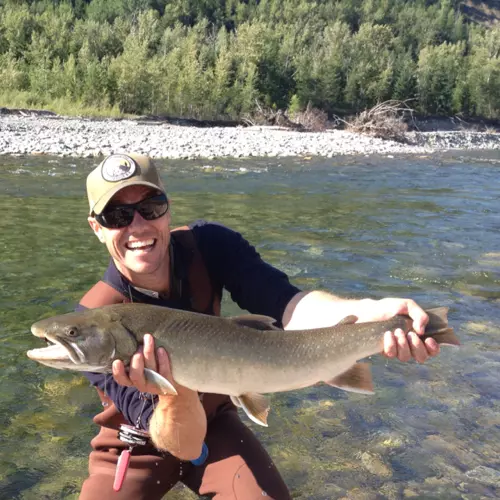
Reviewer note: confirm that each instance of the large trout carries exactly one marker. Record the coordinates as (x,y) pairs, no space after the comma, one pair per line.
(242,357)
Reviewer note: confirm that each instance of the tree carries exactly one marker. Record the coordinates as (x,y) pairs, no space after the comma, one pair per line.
(437,72)
(370,71)
(483,77)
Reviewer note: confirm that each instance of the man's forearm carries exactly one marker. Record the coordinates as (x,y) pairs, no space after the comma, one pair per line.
(179,425)
(317,309)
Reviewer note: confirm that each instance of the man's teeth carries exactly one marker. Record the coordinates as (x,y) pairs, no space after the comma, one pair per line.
(140,244)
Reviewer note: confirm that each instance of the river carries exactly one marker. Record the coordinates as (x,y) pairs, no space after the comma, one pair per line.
(425,227)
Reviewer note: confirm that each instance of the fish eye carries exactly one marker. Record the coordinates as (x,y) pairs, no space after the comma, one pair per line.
(72,331)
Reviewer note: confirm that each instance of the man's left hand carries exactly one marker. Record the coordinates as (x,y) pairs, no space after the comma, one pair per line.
(397,344)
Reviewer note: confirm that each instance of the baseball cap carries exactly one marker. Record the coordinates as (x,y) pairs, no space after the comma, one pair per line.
(116,172)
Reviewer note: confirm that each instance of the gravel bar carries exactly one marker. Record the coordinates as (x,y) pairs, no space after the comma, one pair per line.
(79,137)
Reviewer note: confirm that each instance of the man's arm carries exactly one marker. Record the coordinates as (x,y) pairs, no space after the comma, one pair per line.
(178,424)
(320,309)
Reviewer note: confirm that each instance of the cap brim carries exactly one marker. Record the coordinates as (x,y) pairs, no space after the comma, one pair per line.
(100,205)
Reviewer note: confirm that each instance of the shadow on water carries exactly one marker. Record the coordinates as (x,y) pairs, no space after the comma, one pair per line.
(423,227)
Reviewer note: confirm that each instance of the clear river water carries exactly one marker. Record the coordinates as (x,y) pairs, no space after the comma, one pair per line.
(425,227)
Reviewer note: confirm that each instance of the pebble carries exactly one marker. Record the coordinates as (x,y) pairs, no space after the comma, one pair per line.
(87,138)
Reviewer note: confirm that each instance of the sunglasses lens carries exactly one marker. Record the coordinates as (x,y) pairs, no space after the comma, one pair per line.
(117,217)
(153,208)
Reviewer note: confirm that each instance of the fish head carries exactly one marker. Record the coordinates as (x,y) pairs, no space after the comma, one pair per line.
(83,341)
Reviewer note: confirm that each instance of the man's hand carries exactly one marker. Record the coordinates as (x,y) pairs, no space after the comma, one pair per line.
(179,423)
(397,344)
(147,358)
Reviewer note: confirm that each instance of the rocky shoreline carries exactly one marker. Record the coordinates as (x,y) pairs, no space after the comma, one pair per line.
(80,137)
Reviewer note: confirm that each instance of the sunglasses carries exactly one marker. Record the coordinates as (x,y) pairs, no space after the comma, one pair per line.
(118,216)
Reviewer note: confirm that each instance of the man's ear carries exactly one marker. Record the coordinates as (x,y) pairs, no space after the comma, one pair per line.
(96,227)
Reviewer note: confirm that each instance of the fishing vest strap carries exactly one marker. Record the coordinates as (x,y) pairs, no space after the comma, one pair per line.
(204,297)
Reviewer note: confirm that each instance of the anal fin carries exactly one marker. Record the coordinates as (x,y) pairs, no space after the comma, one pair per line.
(256,406)
(358,378)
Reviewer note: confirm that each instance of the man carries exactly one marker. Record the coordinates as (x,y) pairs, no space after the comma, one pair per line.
(188,269)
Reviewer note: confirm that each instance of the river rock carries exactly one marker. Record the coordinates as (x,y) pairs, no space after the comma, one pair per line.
(374,464)
(485,475)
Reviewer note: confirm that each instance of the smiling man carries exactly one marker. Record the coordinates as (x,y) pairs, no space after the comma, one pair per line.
(188,268)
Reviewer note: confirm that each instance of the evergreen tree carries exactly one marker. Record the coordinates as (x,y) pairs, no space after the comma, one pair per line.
(483,77)
(438,70)
(370,70)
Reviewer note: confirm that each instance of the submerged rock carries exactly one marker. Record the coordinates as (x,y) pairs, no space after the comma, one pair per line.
(375,465)
(485,475)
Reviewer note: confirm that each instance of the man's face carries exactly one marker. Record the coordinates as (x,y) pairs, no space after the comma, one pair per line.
(142,247)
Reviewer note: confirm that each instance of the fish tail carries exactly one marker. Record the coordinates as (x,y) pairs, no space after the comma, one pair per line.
(438,327)
(446,337)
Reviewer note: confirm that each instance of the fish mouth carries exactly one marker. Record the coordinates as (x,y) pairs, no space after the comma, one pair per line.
(58,353)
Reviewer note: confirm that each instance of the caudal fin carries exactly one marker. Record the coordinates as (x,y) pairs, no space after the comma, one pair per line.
(438,328)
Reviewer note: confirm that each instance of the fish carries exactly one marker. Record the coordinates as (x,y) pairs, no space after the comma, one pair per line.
(244,357)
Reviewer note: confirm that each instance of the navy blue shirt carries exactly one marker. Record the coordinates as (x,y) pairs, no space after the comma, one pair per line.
(233,264)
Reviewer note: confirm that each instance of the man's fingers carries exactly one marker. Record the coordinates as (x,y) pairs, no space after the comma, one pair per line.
(120,373)
(404,353)
(432,347)
(136,371)
(418,315)
(149,352)
(417,348)
(390,346)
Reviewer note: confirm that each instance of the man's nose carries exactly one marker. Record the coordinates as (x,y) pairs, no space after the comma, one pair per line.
(138,220)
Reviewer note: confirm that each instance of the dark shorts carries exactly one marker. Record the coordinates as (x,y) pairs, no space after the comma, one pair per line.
(238,467)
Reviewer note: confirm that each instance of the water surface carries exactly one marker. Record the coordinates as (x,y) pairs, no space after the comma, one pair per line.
(423,227)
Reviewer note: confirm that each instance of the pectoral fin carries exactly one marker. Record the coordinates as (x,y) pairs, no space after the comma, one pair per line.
(161,382)
(358,378)
(256,406)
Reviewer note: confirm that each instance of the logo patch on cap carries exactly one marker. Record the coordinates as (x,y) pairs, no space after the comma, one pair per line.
(118,167)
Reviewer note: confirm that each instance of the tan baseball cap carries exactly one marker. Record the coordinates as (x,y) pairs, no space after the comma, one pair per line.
(117,172)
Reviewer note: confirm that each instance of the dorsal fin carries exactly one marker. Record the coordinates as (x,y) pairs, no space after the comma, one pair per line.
(256,321)
(348,320)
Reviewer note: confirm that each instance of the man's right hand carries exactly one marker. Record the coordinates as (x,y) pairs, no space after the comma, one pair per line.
(146,357)
(179,423)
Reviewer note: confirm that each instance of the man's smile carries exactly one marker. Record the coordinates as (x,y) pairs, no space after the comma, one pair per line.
(138,245)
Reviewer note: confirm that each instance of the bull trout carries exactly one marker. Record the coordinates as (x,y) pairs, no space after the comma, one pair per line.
(242,356)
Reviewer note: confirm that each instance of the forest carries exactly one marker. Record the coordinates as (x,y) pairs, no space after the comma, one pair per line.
(219,59)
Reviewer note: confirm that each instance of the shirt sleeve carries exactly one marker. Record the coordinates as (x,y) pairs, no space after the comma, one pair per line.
(129,401)
(253,284)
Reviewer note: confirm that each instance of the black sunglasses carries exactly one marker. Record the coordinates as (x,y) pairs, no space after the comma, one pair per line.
(118,216)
